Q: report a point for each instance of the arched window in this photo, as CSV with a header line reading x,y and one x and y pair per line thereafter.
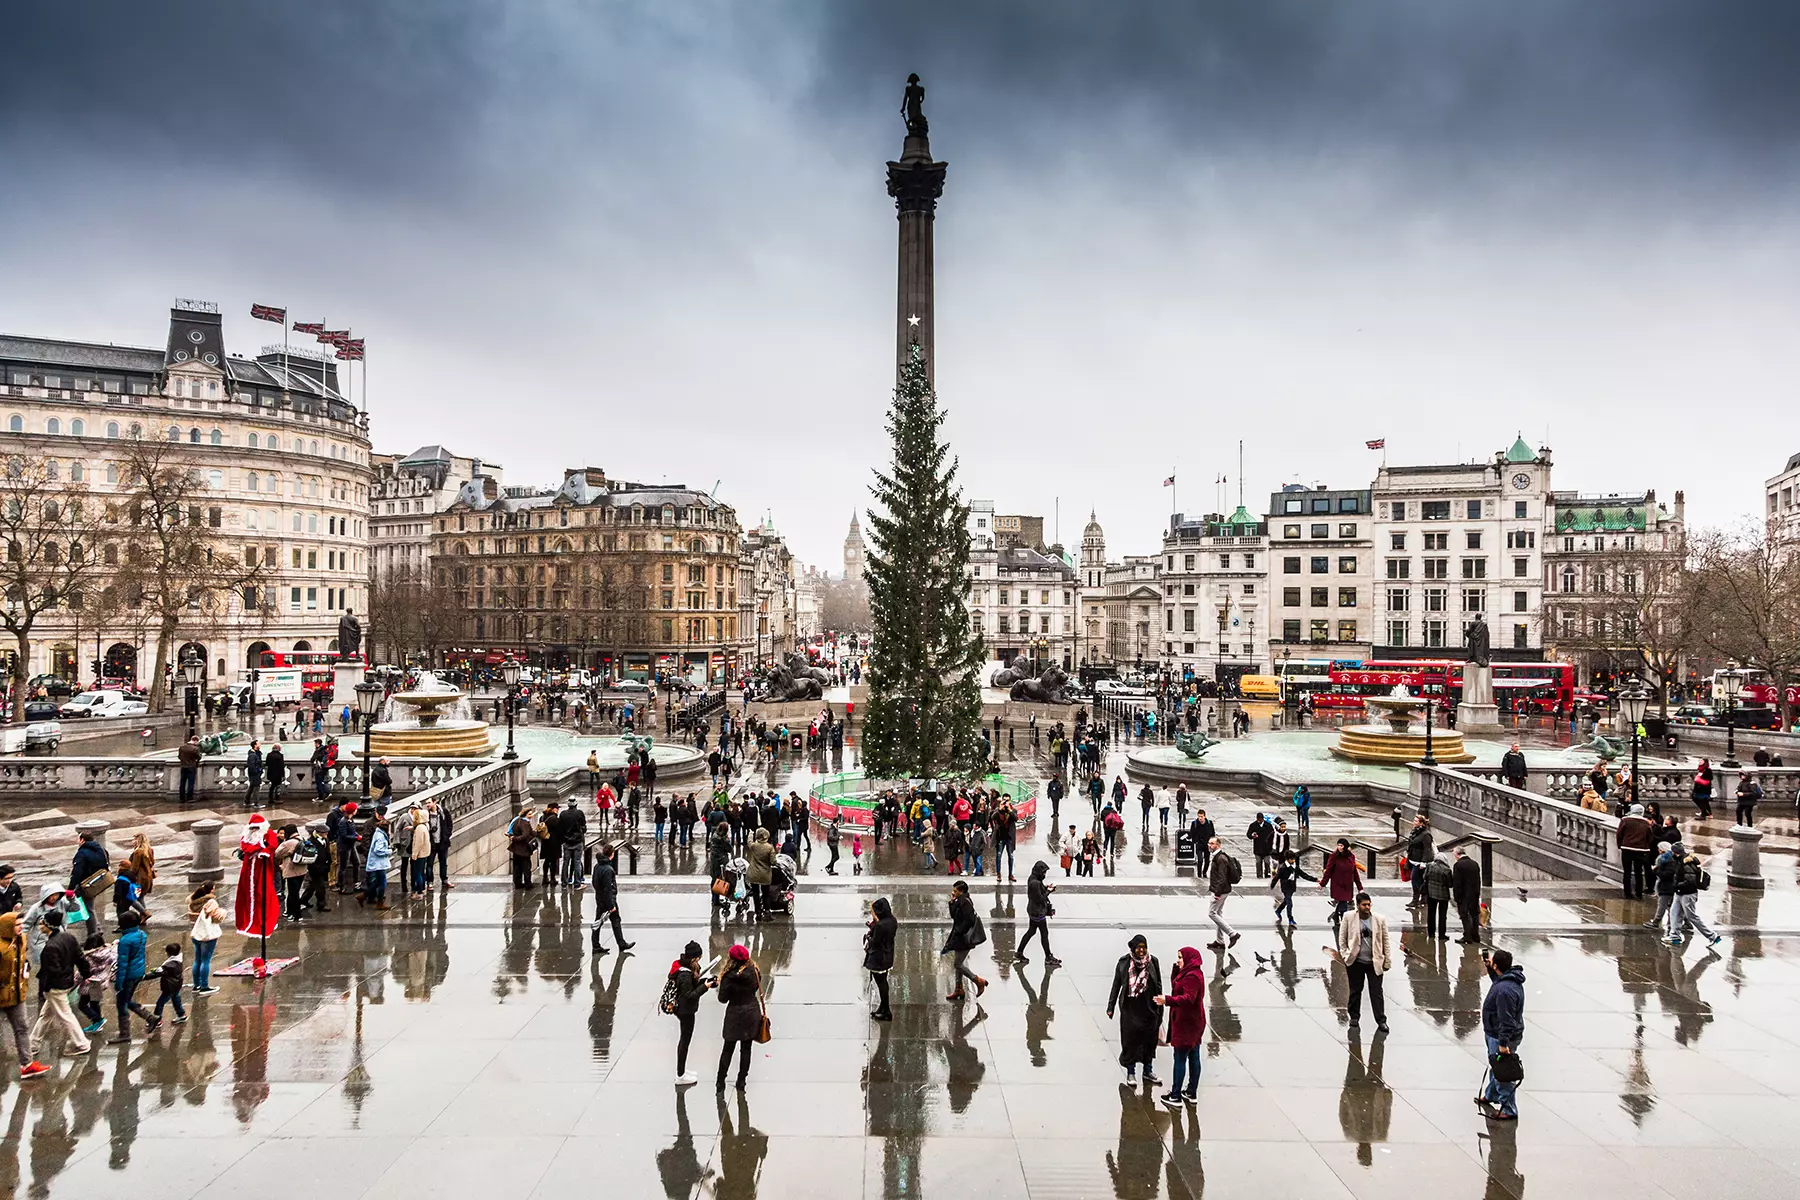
x,y
78,427
77,472
315,447
271,483
109,554
296,522
112,429
215,480
53,426
174,434
218,437
15,424
253,441
251,520
137,431
181,387
252,481
194,436
52,470
112,472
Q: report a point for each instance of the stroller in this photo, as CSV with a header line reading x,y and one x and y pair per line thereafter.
x,y
737,873
781,885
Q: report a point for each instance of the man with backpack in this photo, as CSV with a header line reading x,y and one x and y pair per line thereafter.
x,y
1690,880
1224,873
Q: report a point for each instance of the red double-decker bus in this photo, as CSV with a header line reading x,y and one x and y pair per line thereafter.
x,y
315,667
1518,687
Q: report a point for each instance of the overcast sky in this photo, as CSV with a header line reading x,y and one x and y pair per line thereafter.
x,y
654,237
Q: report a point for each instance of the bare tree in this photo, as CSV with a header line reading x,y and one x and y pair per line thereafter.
x,y
177,563
52,529
1636,614
1745,602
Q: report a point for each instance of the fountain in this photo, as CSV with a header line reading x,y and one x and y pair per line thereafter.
x,y
1398,742
416,725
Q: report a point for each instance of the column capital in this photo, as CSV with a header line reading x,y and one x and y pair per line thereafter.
x,y
916,183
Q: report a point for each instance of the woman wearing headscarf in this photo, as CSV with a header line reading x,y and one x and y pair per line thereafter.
x,y
740,991
1187,1024
878,953
1137,981
966,933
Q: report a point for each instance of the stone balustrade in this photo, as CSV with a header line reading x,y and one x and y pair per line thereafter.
x,y
1552,835
219,777
1660,783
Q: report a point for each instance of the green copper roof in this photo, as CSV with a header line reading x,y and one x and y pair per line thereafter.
x,y
1601,519
1520,452
1241,522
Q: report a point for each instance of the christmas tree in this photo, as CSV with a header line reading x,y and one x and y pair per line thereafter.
x,y
924,670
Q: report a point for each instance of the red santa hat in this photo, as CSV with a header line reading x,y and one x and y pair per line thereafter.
x,y
256,831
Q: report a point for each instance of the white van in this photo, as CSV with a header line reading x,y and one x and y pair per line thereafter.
x,y
104,704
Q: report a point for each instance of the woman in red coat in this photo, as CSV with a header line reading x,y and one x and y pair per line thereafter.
x,y
1187,1023
1341,875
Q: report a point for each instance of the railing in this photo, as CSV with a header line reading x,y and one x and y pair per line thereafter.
x,y
217,777
1662,784
1551,835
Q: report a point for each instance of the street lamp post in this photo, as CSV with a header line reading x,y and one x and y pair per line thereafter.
x,y
1430,759
509,671
1731,680
1632,704
368,699
191,669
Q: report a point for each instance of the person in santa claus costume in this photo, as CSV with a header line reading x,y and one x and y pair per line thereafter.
x,y
258,897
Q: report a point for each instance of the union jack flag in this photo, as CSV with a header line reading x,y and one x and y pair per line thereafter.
x,y
264,312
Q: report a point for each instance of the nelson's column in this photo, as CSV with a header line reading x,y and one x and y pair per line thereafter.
x,y
915,183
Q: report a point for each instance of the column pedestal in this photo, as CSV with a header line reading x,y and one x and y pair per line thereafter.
x,y
1746,858
205,867
1477,713
345,675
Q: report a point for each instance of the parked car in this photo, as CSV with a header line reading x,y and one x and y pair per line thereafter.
x,y
1741,718
627,685
104,704
1121,690
54,686
41,710
1697,714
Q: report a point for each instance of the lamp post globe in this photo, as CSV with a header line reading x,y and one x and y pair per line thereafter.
x,y
368,701
1633,703
191,669
509,671
1731,682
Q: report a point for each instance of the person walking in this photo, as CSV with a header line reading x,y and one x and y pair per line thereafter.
x,y
376,866
571,831
13,974
606,899
442,826
878,953
88,876
1147,801
315,856
253,773
1503,1028
293,874
1363,949
1287,877
128,972
1512,766
208,924
1439,883
689,986
1303,807
275,773
1690,880
1703,788
189,758
60,963
966,933
1748,793
168,979
832,831
521,840
1224,872
760,859
1465,889
740,991
1186,1005
1341,877
1137,982
1261,834
1038,911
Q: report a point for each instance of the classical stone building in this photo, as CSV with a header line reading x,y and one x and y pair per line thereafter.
x,y
769,599
1610,564
1320,573
625,578
1782,497
1022,598
284,457
1457,539
407,494
1215,604
1133,611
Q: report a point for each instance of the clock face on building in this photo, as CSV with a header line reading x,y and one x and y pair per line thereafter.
x,y
1521,481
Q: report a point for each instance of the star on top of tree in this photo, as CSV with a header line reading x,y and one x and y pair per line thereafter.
x,y
913,320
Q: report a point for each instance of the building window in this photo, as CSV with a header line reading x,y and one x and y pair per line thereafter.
x,y
1319,531
1519,510
1521,568
1290,531
1346,631
1346,597
1290,631
1434,633
1347,504
1346,531
1437,541
1520,637
1225,562
1474,568
1520,601
1249,562
1319,597
1290,597
1437,599
1249,589
1474,510
1321,504
1433,510
1290,506
1290,566
1474,536
1347,564
1398,634
1521,539
1187,562
1396,541
1187,620
1320,565
1399,568
1321,631
1437,568
1474,600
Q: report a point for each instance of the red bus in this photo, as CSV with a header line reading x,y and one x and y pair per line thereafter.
x,y
317,679
1538,687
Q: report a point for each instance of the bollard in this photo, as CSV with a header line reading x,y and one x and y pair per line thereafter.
x,y
1745,870
204,867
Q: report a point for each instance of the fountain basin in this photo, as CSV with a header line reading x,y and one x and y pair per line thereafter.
x,y
1398,745
441,738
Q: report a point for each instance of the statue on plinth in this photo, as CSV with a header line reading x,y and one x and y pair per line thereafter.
x,y
1051,687
794,678
913,107
349,635
1476,641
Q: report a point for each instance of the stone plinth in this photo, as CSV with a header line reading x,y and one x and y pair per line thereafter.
x,y
346,673
1477,713
1746,858
205,866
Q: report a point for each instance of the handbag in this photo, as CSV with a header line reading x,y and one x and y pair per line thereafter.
x,y
764,1031
720,888
1507,1068
96,884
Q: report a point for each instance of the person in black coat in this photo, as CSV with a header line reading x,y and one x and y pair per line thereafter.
x,y
966,933
690,985
606,899
1465,889
740,991
878,953
275,771
1137,982
1038,910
